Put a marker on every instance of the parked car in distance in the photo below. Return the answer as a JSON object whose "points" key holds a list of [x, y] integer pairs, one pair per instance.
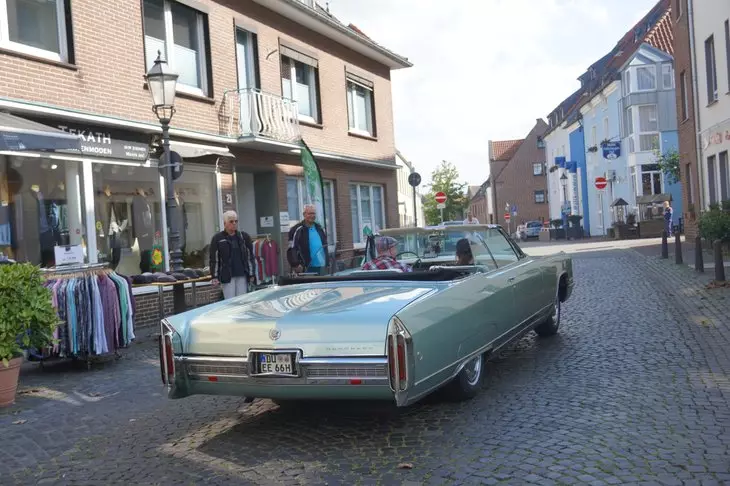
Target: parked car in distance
{"points": [[372, 334], [531, 230]]}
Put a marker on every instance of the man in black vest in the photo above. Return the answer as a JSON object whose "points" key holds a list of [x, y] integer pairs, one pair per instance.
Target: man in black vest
{"points": [[231, 258]]}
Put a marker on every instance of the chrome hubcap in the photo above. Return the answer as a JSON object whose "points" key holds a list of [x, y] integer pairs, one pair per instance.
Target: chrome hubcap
{"points": [[473, 370]]}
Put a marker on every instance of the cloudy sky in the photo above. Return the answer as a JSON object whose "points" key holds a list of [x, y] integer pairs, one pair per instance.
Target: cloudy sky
{"points": [[484, 69]]}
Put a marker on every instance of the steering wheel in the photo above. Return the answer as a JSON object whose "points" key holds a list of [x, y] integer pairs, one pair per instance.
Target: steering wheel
{"points": [[417, 263]]}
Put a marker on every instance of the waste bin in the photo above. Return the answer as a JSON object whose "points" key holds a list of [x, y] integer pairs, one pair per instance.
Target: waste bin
{"points": [[544, 234]]}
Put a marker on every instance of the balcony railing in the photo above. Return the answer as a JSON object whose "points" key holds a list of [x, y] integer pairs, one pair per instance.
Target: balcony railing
{"points": [[254, 113]]}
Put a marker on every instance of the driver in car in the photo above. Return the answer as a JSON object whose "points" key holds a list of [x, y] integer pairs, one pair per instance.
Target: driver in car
{"points": [[387, 250]]}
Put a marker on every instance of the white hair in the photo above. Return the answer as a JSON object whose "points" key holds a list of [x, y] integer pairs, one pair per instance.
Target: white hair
{"points": [[309, 206], [229, 215]]}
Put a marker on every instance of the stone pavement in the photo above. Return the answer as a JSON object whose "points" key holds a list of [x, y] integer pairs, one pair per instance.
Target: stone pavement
{"points": [[633, 390]]}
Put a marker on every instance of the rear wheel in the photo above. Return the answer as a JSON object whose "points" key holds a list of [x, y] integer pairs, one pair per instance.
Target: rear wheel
{"points": [[467, 383], [551, 325]]}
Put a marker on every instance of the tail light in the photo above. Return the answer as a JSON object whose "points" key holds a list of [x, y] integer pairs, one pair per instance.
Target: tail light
{"points": [[398, 343], [167, 360]]}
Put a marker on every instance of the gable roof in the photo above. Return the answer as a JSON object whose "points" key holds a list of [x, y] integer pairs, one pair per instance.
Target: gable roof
{"points": [[655, 29], [503, 150]]}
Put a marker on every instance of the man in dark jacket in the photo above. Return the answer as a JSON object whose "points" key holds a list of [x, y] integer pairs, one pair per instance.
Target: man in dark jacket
{"points": [[231, 257], [308, 245]]}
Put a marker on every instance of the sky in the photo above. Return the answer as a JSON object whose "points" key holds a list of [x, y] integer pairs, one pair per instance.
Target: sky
{"points": [[483, 69]]}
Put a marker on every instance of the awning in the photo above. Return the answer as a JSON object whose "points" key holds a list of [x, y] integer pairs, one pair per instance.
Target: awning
{"points": [[191, 150], [19, 134]]}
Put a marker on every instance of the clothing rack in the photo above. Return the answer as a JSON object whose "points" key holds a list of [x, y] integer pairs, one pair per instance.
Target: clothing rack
{"points": [[263, 275], [96, 309]]}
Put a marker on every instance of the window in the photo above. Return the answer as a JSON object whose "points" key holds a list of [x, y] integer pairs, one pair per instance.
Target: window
{"points": [[41, 207], [630, 129], [537, 168], [179, 33], [360, 107], [667, 76], [539, 197], [605, 128], [648, 128], [594, 136], [627, 82], [724, 195], [367, 209], [711, 70], [299, 83], [35, 27], [683, 95], [651, 180], [727, 51], [688, 182], [297, 197], [646, 78], [711, 180], [500, 247]]}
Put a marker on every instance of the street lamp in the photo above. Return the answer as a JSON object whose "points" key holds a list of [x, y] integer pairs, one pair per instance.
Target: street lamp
{"points": [[564, 183], [162, 83]]}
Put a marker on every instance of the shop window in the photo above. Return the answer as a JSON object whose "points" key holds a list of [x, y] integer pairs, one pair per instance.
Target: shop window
{"points": [[35, 28], [129, 221], [41, 208], [651, 180], [179, 33], [367, 210], [297, 197]]}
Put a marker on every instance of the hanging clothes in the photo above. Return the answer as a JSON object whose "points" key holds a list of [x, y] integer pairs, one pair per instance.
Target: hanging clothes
{"points": [[98, 309]]}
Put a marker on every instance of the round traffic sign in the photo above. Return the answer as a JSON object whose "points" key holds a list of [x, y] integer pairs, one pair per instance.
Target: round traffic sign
{"points": [[601, 183], [414, 179], [506, 217], [440, 197]]}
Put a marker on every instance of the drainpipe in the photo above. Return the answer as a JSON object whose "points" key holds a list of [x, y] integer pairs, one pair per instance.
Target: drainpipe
{"points": [[696, 96]]}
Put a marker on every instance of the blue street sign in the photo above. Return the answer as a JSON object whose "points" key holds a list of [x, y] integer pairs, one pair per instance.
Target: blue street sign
{"points": [[612, 150]]}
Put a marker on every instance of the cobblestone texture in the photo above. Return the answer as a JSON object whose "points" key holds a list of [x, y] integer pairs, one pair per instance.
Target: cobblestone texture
{"points": [[634, 390]]}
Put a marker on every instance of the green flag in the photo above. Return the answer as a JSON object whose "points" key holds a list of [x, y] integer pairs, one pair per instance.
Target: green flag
{"points": [[314, 187]]}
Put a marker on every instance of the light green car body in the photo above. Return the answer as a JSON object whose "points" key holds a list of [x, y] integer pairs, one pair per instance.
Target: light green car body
{"points": [[337, 330]]}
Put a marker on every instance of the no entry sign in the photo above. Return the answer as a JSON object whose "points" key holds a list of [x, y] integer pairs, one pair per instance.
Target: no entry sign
{"points": [[601, 183], [440, 197], [506, 217]]}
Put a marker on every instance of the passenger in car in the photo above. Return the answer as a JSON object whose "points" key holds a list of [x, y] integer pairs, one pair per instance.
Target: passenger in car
{"points": [[387, 250], [464, 255]]}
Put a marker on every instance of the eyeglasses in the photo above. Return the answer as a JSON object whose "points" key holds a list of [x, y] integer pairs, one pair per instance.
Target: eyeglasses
{"points": [[233, 221]]}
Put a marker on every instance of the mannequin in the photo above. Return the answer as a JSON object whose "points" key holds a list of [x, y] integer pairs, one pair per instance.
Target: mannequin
{"points": [[36, 224], [143, 227], [111, 221]]}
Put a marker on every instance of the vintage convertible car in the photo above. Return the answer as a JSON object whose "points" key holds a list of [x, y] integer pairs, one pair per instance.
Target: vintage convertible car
{"points": [[371, 335]]}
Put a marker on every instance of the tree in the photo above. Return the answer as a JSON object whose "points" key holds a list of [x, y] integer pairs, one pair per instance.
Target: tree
{"points": [[669, 164], [445, 179]]}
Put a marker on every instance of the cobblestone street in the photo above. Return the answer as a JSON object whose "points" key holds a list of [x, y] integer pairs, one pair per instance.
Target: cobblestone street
{"points": [[634, 389]]}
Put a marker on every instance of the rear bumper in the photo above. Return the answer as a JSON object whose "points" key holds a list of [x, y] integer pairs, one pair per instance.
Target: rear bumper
{"points": [[363, 378]]}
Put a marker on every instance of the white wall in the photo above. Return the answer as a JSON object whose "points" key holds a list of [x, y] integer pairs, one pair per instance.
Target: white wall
{"points": [[709, 19], [557, 143], [406, 211]]}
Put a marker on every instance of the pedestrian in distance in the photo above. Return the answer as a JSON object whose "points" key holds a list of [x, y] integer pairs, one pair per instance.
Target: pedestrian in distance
{"points": [[231, 258]]}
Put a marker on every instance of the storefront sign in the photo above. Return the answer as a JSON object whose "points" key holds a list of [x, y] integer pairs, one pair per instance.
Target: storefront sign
{"points": [[99, 141], [612, 150], [717, 135], [284, 221], [69, 255], [267, 221]]}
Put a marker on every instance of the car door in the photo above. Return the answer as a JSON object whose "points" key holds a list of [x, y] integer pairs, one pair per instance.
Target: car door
{"points": [[522, 273]]}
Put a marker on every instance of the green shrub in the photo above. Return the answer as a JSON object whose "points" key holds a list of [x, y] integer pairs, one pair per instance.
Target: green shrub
{"points": [[27, 315], [715, 225]]}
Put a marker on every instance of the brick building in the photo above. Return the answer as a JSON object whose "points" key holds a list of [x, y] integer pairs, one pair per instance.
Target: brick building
{"points": [[518, 177], [686, 124], [255, 75]]}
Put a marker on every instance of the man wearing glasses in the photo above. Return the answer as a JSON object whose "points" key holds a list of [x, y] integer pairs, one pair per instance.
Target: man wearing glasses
{"points": [[231, 258], [307, 250]]}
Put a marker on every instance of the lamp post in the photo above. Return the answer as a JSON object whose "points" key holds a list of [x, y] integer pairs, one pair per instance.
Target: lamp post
{"points": [[162, 83], [564, 183]]}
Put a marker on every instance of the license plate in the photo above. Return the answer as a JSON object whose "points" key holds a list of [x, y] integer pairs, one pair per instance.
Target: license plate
{"points": [[275, 364]]}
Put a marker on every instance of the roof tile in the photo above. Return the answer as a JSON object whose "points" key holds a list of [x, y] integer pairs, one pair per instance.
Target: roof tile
{"points": [[504, 150]]}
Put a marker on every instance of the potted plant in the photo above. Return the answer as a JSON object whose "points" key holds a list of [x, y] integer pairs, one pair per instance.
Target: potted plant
{"points": [[27, 320]]}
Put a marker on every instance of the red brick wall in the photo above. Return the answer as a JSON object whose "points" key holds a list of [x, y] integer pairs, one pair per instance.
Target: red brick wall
{"points": [[516, 184], [686, 128], [107, 76]]}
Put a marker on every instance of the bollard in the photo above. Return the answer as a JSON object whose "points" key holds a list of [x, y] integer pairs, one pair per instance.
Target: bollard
{"points": [[678, 257], [699, 259], [665, 247], [719, 264]]}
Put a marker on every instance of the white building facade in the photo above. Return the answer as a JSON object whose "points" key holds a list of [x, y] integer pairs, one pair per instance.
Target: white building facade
{"points": [[710, 22], [408, 214], [557, 144]]}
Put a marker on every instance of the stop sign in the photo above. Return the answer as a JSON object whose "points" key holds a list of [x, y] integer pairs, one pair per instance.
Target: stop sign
{"points": [[600, 183], [440, 197], [506, 217]]}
